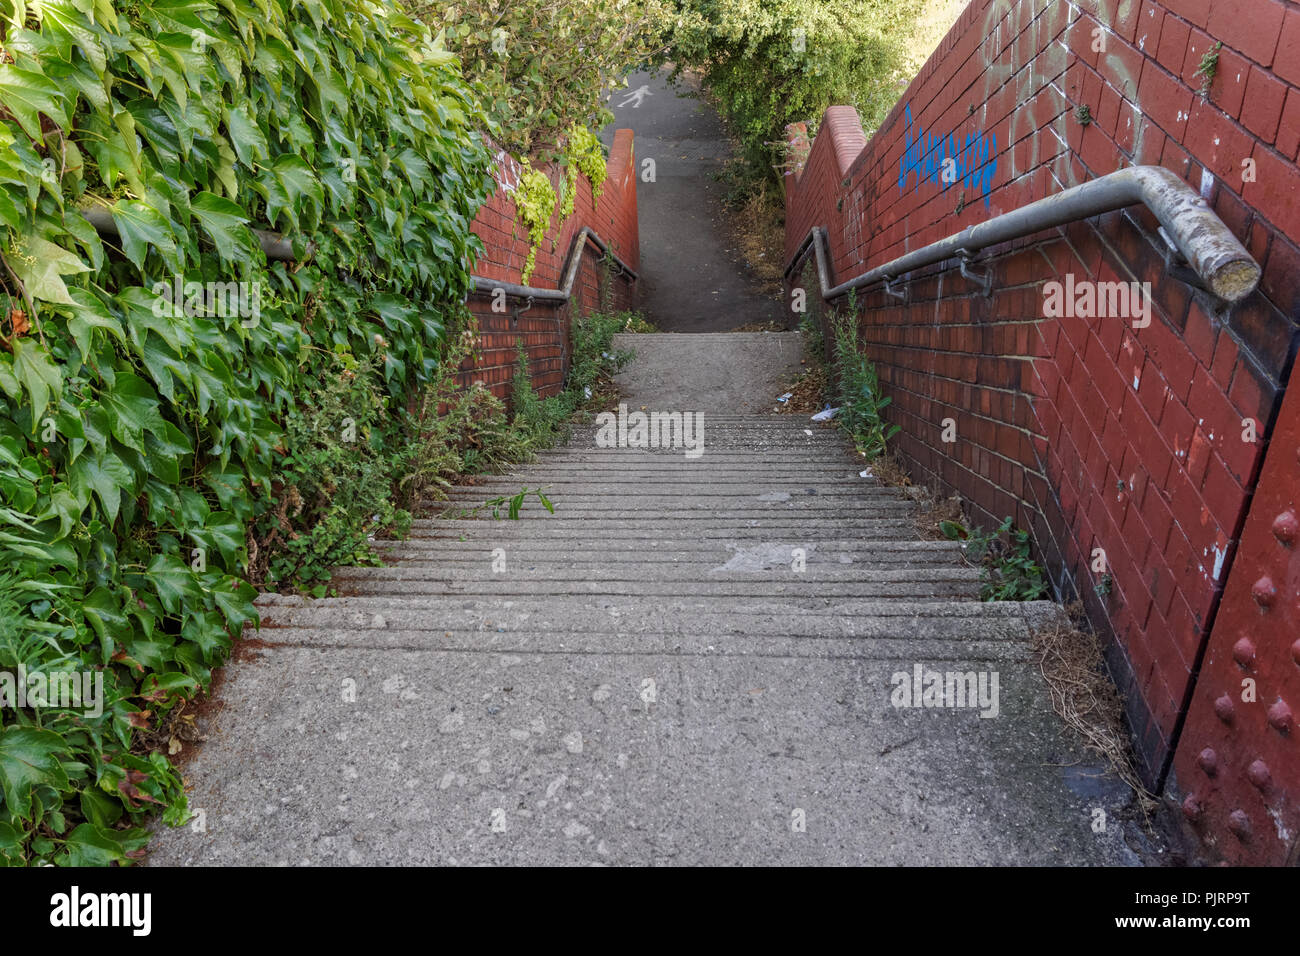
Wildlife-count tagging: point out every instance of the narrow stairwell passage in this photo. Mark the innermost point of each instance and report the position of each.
(693, 661)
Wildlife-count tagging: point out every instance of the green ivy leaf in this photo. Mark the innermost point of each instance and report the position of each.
(293, 180)
(40, 266)
(29, 757)
(245, 135)
(172, 581)
(223, 221)
(132, 410)
(140, 226)
(89, 845)
(88, 314)
(104, 612)
(38, 375)
(103, 473)
(28, 94)
(11, 846)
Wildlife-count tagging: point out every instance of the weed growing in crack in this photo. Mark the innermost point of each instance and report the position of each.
(860, 401)
(1009, 570)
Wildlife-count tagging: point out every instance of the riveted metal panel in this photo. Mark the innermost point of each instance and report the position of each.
(1237, 765)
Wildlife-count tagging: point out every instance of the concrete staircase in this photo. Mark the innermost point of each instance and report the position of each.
(649, 680)
(771, 534)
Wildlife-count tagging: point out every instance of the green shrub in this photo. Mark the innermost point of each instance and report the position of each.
(147, 439)
(853, 52)
(452, 431)
(536, 422)
(333, 486)
(594, 356)
(814, 343)
(545, 66)
(474, 434)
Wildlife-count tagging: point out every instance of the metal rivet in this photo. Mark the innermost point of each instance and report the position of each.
(1239, 824)
(1258, 774)
(1286, 527)
(1224, 709)
(1243, 652)
(1264, 592)
(1279, 716)
(1192, 807)
(1208, 762)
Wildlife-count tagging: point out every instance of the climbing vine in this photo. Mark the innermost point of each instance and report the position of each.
(535, 204)
(175, 410)
(535, 198)
(584, 155)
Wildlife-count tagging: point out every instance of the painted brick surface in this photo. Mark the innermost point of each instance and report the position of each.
(545, 328)
(1091, 432)
(1238, 761)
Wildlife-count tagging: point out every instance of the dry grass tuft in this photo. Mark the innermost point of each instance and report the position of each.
(806, 392)
(932, 510)
(758, 224)
(769, 326)
(890, 470)
(1070, 660)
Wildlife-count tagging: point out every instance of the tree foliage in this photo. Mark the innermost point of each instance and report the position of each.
(544, 66)
(774, 62)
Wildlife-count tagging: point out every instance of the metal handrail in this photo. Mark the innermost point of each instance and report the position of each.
(279, 249)
(1195, 235)
(276, 247)
(562, 294)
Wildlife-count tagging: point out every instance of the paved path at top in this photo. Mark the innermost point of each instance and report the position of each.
(693, 280)
(695, 660)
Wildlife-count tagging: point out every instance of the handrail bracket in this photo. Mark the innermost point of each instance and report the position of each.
(983, 279)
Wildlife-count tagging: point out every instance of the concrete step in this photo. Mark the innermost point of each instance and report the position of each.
(536, 520)
(638, 508)
(742, 569)
(456, 554)
(728, 486)
(901, 646)
(673, 549)
(797, 533)
(582, 614)
(388, 582)
(726, 449)
(631, 457)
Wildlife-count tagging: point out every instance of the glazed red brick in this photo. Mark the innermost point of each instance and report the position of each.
(545, 329)
(1090, 432)
(1262, 109)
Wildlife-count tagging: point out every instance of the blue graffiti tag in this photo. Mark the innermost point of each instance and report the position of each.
(974, 162)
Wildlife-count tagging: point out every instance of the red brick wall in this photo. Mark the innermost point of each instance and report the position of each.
(545, 327)
(1091, 433)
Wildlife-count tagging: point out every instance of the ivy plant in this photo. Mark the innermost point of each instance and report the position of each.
(148, 426)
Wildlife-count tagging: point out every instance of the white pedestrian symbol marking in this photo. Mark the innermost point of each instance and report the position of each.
(636, 96)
